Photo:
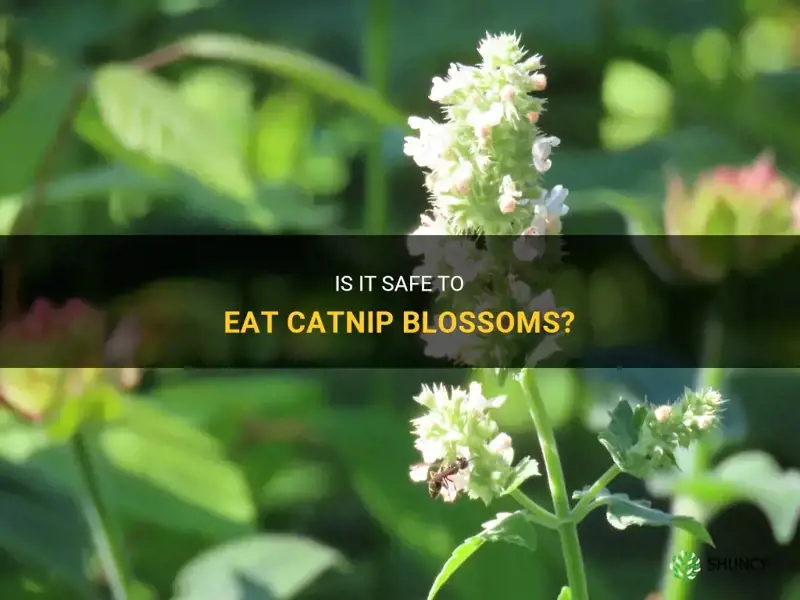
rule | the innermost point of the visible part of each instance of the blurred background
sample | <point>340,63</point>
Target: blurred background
<point>289,117</point>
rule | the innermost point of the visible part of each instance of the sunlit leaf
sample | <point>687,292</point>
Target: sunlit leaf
<point>751,476</point>
<point>622,512</point>
<point>565,594</point>
<point>263,567</point>
<point>523,470</point>
<point>224,95</point>
<point>146,115</point>
<point>284,126</point>
<point>514,528</point>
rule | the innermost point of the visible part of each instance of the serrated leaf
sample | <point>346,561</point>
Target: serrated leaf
<point>524,470</point>
<point>751,476</point>
<point>622,435</point>
<point>565,594</point>
<point>514,528</point>
<point>622,512</point>
<point>263,567</point>
<point>146,115</point>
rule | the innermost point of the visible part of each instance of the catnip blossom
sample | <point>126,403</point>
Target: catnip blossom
<point>484,162</point>
<point>484,165</point>
<point>458,424</point>
<point>671,426</point>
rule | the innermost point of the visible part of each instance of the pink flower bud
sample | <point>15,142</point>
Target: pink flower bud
<point>508,204</point>
<point>539,81</point>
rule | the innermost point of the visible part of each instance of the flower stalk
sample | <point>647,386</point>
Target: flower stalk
<point>567,528</point>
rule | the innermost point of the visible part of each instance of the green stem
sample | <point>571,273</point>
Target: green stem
<point>539,514</point>
<point>701,454</point>
<point>567,529</point>
<point>582,508</point>
<point>106,542</point>
<point>376,66</point>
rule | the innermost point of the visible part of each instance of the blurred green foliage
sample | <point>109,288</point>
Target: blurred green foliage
<point>255,117</point>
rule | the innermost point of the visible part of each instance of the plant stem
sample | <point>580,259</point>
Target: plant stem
<point>567,529</point>
<point>104,533</point>
<point>541,515</point>
<point>701,454</point>
<point>376,66</point>
<point>582,507</point>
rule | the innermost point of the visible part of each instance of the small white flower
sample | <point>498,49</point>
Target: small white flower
<point>544,349</point>
<point>421,242</point>
<point>441,90</point>
<point>547,215</point>
<point>520,291</point>
<point>539,81</point>
<point>662,413</point>
<point>509,195</point>
<point>705,422</point>
<point>501,447</point>
<point>419,473</point>
<point>457,181</point>
<point>483,121</point>
<point>527,247</point>
<point>533,63</point>
<point>457,255</point>
<point>554,201</point>
<point>543,302</point>
<point>541,150</point>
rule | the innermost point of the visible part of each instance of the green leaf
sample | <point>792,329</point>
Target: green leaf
<point>224,95</point>
<point>89,125</point>
<point>565,594</point>
<point>148,116</point>
<point>166,472</point>
<point>29,126</point>
<point>263,567</point>
<point>43,526</point>
<point>153,468</point>
<point>622,435</point>
<point>283,135</point>
<point>514,528</point>
<point>328,80</point>
<point>632,90</point>
<point>524,470</point>
<point>622,512</point>
<point>751,476</point>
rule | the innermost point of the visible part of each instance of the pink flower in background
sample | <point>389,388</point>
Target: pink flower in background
<point>758,179</point>
<point>51,352</point>
<point>754,203</point>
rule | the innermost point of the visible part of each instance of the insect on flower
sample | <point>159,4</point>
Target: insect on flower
<point>442,479</point>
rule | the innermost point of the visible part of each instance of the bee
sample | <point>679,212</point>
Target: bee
<point>439,478</point>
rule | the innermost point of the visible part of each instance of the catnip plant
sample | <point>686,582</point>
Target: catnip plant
<point>484,165</point>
